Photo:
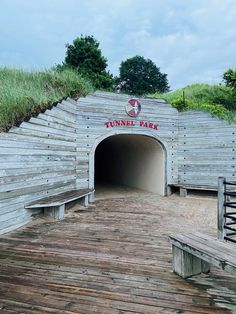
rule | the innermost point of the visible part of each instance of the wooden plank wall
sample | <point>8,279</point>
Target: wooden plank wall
<point>98,108</point>
<point>51,153</point>
<point>207,149</point>
<point>36,159</point>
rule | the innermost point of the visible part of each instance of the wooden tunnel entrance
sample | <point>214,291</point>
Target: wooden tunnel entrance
<point>131,160</point>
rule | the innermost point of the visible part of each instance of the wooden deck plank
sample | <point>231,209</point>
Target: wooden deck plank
<point>113,258</point>
<point>59,199</point>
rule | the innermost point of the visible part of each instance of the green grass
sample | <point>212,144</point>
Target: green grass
<point>217,100</point>
<point>25,94</point>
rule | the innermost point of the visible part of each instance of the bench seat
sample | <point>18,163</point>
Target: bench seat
<point>194,253</point>
<point>55,204</point>
<point>183,188</point>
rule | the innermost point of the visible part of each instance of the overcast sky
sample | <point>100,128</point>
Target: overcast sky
<point>190,40</point>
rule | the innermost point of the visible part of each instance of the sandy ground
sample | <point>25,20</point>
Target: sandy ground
<point>198,210</point>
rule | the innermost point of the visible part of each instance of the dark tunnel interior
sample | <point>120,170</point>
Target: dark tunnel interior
<point>131,160</point>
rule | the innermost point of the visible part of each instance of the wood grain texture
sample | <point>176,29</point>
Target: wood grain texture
<point>52,152</point>
<point>37,159</point>
<point>59,199</point>
<point>112,258</point>
<point>207,149</point>
<point>205,248</point>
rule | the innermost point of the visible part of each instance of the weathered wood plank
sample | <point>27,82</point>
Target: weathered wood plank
<point>65,135</point>
<point>37,187</point>
<point>210,250</point>
<point>59,199</point>
<point>113,258</point>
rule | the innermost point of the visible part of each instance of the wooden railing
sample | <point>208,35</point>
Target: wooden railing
<point>226,210</point>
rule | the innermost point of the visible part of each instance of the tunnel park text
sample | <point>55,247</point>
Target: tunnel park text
<point>132,123</point>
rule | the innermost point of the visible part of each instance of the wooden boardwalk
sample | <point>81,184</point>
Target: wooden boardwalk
<point>113,257</point>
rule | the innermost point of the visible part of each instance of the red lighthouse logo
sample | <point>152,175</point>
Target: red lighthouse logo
<point>133,108</point>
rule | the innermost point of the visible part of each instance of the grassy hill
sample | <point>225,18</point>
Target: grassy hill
<point>24,94</point>
<point>218,100</point>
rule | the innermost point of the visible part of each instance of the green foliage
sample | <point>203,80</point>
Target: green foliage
<point>85,56</point>
<point>229,77</point>
<point>218,100</point>
<point>104,80</point>
<point>214,109</point>
<point>25,94</point>
<point>180,104</point>
<point>140,76</point>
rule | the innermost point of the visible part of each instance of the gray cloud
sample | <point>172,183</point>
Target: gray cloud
<point>191,41</point>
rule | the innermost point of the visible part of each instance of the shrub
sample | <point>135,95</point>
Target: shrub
<point>218,100</point>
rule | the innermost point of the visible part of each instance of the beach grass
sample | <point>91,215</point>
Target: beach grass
<point>217,100</point>
<point>24,94</point>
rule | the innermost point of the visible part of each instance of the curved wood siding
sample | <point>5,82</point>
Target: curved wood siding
<point>207,149</point>
<point>55,151</point>
<point>36,159</point>
<point>98,109</point>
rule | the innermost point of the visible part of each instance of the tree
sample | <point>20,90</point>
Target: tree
<point>140,76</point>
<point>85,56</point>
<point>229,78</point>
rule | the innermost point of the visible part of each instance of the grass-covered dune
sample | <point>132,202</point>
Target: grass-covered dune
<point>218,100</point>
<point>25,94</point>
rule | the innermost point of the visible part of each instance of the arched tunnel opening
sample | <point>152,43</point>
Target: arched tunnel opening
<point>136,161</point>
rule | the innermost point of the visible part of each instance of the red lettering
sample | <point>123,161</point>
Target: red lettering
<point>117,122</point>
<point>146,125</point>
<point>151,125</point>
<point>141,123</point>
<point>156,127</point>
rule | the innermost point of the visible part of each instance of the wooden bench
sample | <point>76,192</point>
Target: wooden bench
<point>54,205</point>
<point>183,189</point>
<point>194,253</point>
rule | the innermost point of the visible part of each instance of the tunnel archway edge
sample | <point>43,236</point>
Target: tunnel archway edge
<point>149,134</point>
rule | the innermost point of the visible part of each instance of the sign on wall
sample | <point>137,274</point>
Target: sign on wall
<point>132,123</point>
<point>133,109</point>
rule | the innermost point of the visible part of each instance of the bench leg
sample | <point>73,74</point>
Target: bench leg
<point>57,212</point>
<point>186,264</point>
<point>91,197</point>
<point>182,192</point>
<point>205,267</point>
<point>168,191</point>
<point>86,200</point>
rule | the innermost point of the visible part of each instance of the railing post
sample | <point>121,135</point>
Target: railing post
<point>221,208</point>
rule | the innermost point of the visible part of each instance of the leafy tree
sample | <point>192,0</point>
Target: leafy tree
<point>229,78</point>
<point>86,57</point>
<point>141,76</point>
